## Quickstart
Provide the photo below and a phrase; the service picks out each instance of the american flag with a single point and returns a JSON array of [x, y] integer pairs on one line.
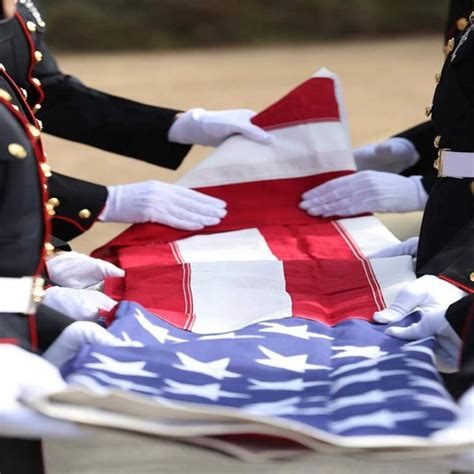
[[266, 319]]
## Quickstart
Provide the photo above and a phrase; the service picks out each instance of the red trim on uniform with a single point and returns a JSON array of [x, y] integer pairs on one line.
[[39, 155], [32, 47], [74, 223], [9, 341], [456, 283], [33, 332]]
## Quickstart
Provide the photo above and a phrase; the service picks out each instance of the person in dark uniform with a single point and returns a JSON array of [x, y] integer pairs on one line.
[[444, 290], [395, 175], [71, 110]]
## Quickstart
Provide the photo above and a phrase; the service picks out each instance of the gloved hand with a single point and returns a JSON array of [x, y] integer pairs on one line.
[[393, 155], [69, 342], [26, 375], [432, 297], [462, 428], [168, 204], [211, 128], [367, 191], [407, 247], [77, 304], [76, 270]]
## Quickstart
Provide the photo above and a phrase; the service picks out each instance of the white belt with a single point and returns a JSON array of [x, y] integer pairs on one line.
[[455, 164], [20, 295]]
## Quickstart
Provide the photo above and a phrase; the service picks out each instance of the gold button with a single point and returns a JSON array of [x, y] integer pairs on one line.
[[462, 23], [16, 150], [41, 23], [16, 107], [36, 81], [428, 109], [46, 170], [50, 209], [437, 141], [34, 131], [49, 247], [36, 108], [31, 25], [24, 92], [5, 95], [40, 124], [38, 56], [437, 77], [85, 213], [471, 276], [54, 201]]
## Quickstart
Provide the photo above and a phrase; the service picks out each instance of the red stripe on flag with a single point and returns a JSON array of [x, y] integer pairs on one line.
[[312, 101], [273, 202], [325, 273]]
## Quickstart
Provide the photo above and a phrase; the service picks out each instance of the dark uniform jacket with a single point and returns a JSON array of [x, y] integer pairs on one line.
[[71, 110], [24, 231], [423, 135], [446, 247]]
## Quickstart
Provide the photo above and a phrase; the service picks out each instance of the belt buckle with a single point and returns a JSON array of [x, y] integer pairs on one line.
[[438, 163]]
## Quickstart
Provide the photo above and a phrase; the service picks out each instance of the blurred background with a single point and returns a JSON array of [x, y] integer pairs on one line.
[[157, 24]]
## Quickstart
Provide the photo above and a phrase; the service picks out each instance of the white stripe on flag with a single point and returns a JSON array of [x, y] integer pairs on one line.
[[296, 151]]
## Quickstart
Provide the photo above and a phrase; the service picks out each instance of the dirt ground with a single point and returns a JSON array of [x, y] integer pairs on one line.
[[387, 86]]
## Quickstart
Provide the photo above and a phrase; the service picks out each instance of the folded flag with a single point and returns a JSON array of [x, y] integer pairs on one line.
[[262, 325]]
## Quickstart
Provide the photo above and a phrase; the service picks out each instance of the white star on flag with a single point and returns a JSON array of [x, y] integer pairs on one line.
[[210, 391], [295, 331], [118, 367], [228, 335], [159, 333], [288, 406], [125, 384], [373, 375], [369, 352], [294, 385], [131, 342], [215, 368], [296, 363], [382, 418], [372, 396], [363, 364]]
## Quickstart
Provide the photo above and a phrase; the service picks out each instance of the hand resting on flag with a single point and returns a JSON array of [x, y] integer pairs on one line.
[[163, 203], [363, 192], [431, 296]]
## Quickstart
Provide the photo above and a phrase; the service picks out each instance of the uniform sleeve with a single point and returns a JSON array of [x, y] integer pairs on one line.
[[73, 111], [422, 136], [460, 316], [455, 261], [77, 205]]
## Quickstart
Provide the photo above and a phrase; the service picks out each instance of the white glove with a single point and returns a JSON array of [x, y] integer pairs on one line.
[[67, 345], [76, 270], [407, 247], [168, 204], [431, 296], [393, 155], [367, 191], [77, 304], [211, 128], [25, 375], [462, 428]]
